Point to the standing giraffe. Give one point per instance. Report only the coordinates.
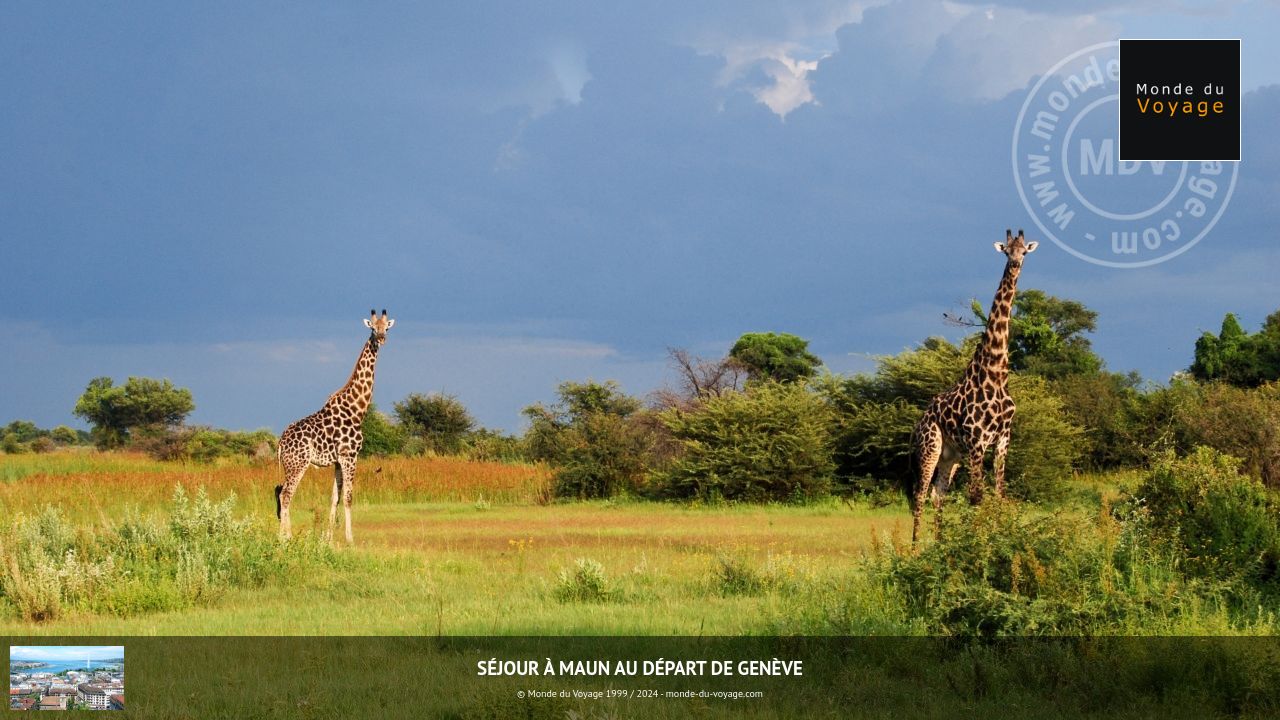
(332, 435)
(975, 415)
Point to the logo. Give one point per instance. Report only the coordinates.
(1180, 100)
(1082, 196)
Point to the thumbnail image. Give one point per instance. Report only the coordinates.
(66, 677)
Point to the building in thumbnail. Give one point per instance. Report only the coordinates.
(95, 696)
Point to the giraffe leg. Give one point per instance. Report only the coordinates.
(977, 481)
(284, 496)
(333, 503)
(1002, 449)
(348, 488)
(945, 476)
(928, 452)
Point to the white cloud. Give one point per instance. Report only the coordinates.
(790, 88)
(66, 652)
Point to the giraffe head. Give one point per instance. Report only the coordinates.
(1016, 248)
(379, 326)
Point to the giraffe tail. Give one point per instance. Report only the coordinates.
(279, 489)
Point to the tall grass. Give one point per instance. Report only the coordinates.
(50, 567)
(93, 482)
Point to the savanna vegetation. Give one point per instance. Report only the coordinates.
(755, 494)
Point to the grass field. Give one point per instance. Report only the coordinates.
(446, 546)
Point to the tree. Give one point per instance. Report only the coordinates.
(381, 436)
(1046, 335)
(772, 442)
(1237, 357)
(698, 378)
(141, 403)
(775, 356)
(439, 419)
(24, 431)
(596, 437)
(64, 435)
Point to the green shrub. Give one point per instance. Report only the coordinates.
(596, 438)
(772, 442)
(1114, 415)
(381, 436)
(64, 435)
(1002, 569)
(1044, 446)
(1241, 422)
(584, 582)
(205, 444)
(603, 455)
(11, 445)
(492, 446)
(441, 421)
(1221, 523)
(734, 575)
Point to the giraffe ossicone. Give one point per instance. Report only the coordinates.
(332, 435)
(976, 415)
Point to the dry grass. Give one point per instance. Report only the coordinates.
(83, 483)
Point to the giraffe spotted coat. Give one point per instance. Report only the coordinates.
(962, 424)
(332, 435)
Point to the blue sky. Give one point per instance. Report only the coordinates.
(543, 192)
(66, 652)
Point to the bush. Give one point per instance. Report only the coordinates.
(734, 575)
(595, 437)
(440, 420)
(1222, 524)
(492, 446)
(1115, 416)
(1001, 570)
(602, 455)
(584, 582)
(64, 435)
(772, 442)
(206, 444)
(1241, 422)
(11, 445)
(381, 436)
(1044, 445)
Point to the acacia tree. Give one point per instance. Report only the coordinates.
(441, 420)
(775, 356)
(698, 378)
(1047, 335)
(115, 412)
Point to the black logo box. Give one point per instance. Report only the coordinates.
(1187, 68)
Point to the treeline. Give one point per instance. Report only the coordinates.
(23, 436)
(766, 423)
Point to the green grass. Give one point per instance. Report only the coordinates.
(76, 461)
(443, 562)
(449, 568)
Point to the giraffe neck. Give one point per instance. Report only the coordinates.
(357, 394)
(992, 356)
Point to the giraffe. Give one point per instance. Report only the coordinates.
(332, 435)
(961, 424)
